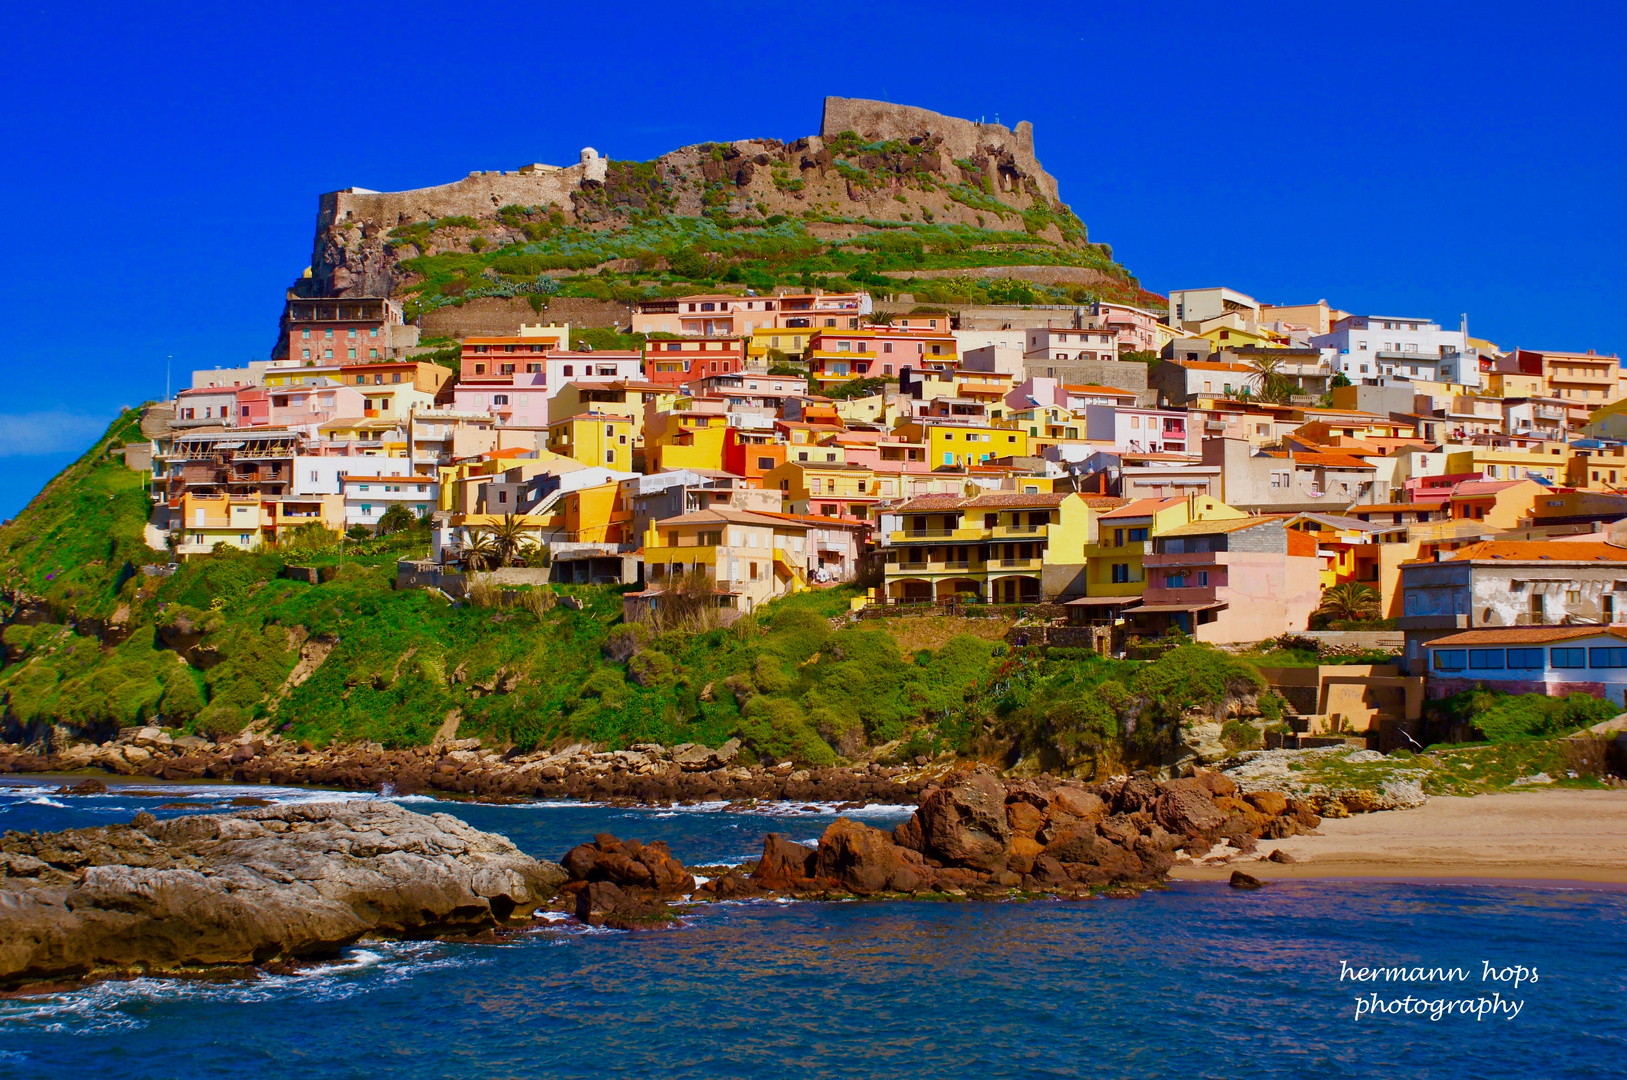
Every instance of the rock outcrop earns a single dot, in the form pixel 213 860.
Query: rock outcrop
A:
pixel 976 835
pixel 623 883
pixel 252 887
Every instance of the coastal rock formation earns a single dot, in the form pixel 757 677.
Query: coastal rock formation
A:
pixel 251 887
pixel 623 882
pixel 977 835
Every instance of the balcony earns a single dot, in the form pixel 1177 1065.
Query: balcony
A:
pixel 1016 564
pixel 904 536
pixel 1000 532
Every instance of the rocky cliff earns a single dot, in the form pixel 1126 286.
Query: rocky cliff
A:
pixel 872 162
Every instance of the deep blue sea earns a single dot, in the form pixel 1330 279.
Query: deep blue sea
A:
pixel 1196 981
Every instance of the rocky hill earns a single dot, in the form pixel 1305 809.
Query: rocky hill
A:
pixel 882 194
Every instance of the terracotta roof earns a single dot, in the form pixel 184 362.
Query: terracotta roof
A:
pixel 1097 388
pixel 1362 508
pixel 1016 498
pixel 1539 551
pixel 1472 488
pixel 1332 461
pixel 1224 525
pixel 1142 508
pixel 1521 635
pixel 1205 365
pixel 931 503
pixel 723 515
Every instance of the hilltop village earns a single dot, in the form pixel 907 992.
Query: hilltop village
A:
pixel 848 451
pixel 1226 469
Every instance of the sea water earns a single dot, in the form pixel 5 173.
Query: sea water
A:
pixel 1198 980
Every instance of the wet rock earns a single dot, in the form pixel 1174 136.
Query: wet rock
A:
pixel 1240 880
pixel 965 824
pixel 253 886
pixel 785 866
pixel 1281 856
pixel 1187 807
pixel 84 787
pixel 864 860
pixel 629 865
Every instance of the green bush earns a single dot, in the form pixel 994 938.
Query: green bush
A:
pixel 1504 717
pixel 1237 735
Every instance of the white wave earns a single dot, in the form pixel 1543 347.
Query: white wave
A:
pixel 117 1005
pixel 43 800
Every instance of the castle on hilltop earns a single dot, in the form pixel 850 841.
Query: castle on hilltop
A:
pixel 351 258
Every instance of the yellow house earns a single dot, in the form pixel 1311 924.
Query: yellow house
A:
pixel 1514 384
pixel 1003 547
pixel 207 520
pixel 305 375
pixel 871 409
pixel 964 444
pixel 1236 337
pixel 594 439
pixel 625 398
pixel 459 483
pixel 1549 461
pixel 1354 550
pixel 828 489
pixel 792 342
pixel 597 515
pixel 681 439
pixel 1123 535
pixel 1497 504
pixel 751 558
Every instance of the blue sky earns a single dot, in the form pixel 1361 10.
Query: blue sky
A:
pixel 163 161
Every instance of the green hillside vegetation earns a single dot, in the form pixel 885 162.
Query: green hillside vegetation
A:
pixel 92 642
pixel 672 256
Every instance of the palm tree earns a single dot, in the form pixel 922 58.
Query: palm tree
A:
pixel 480 550
pixel 1349 601
pixel 1267 371
pixel 510 538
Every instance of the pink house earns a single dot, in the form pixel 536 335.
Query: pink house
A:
pixel 253 408
pixel 1136 327
pixel 518 400
pixel 311 404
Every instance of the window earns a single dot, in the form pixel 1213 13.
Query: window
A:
pixel 1449 659
pixel 1607 658
pixel 1203 577
pixel 1525 658
pixel 1566 658
pixel 1486 659
pixel 1175 580
pixel 243 538
pixel 1136 535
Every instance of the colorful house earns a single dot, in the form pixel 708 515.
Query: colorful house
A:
pixel 594 438
pixel 1123 535
pixel 680 438
pixel 1003 547
pixel 751 558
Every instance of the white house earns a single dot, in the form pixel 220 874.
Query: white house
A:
pixel 1552 660
pixel 1371 346
pixel 367 497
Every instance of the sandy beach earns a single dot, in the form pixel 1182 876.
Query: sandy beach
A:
pixel 1528 836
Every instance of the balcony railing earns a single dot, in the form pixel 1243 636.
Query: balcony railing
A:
pixel 1018 530
pixel 906 535
pixel 1017 564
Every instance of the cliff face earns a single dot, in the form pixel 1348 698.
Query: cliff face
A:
pixel 871 160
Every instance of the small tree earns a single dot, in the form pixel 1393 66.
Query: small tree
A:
pixel 396 518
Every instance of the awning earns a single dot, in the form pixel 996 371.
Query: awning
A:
pixel 1102 601
pixel 1152 608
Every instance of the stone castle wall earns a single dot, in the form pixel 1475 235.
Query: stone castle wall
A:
pixel 877 120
